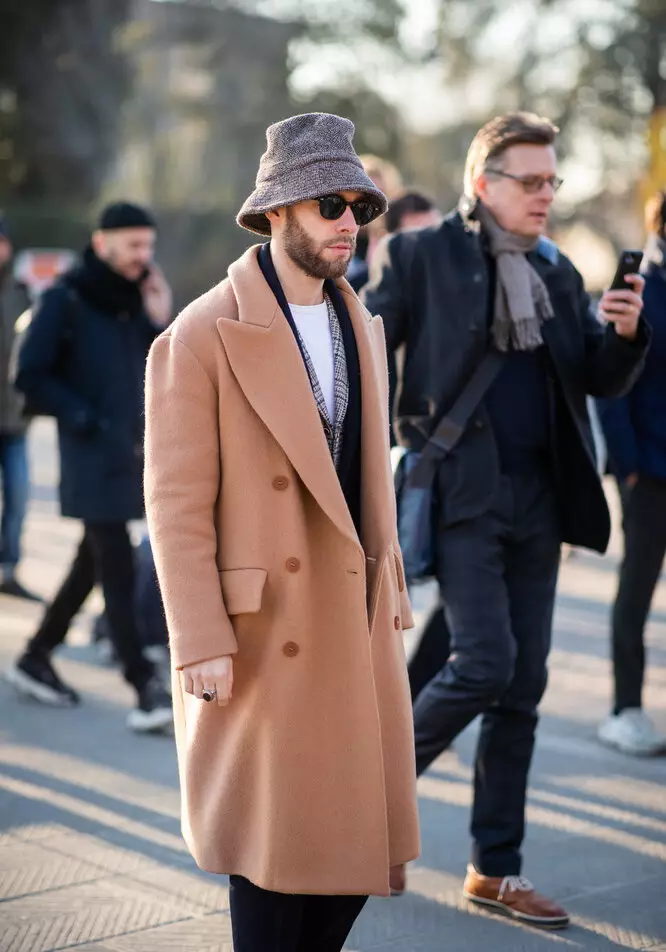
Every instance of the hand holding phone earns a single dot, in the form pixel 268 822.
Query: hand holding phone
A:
pixel 622 304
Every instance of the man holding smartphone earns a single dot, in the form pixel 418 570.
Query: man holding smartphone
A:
pixel 82 360
pixel 522 478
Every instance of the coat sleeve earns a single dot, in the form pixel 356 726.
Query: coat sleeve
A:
pixel 612 363
pixel 385 294
pixel 182 483
pixel 620 436
pixel 38 359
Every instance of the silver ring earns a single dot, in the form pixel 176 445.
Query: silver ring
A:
pixel 209 695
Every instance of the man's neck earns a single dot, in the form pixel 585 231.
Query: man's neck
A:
pixel 299 288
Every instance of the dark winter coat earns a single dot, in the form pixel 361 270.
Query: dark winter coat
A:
pixel 635 426
pixel 83 361
pixel 13 301
pixel 433 294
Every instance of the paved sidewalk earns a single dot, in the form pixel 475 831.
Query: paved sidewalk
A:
pixel 90 852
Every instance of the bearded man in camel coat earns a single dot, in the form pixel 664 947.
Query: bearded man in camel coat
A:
pixel 271 509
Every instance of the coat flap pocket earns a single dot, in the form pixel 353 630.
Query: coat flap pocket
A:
pixel 242 590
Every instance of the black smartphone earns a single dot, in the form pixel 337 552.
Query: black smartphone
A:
pixel 629 262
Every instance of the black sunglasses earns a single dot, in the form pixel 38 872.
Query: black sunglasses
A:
pixel 332 207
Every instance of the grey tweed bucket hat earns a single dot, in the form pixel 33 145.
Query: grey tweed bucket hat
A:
pixel 307 156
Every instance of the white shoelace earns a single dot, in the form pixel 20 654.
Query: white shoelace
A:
pixel 514 884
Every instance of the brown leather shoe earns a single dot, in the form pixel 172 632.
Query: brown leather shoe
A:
pixel 514 896
pixel 398 879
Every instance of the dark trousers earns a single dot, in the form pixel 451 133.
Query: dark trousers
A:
pixel 264 921
pixel 431 654
pixel 497 575
pixel 15 492
pixel 644 549
pixel 105 555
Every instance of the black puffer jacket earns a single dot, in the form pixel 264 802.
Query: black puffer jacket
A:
pixel 432 290
pixel 83 361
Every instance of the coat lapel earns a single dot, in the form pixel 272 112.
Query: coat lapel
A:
pixel 267 363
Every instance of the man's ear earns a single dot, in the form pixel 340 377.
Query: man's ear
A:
pixel 481 186
pixel 98 243
pixel 274 215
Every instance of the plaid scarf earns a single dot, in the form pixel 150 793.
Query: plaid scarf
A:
pixel 333 428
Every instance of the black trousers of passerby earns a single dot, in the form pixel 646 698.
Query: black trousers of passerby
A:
pixel 105 555
pixel 644 509
pixel 498 576
pixel 262 920
pixel 432 652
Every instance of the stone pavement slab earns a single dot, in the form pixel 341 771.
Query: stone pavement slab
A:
pixel 91 856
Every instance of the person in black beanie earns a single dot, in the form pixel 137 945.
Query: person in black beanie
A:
pixel 82 361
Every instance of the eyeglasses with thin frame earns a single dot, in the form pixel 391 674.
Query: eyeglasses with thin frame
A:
pixel 532 184
pixel 333 207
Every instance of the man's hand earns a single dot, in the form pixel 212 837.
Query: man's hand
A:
pixel 623 308
pixel 214 675
pixel 157 299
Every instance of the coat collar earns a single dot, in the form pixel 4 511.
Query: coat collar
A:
pixel 264 358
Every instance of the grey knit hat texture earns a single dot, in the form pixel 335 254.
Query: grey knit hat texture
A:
pixel 307 156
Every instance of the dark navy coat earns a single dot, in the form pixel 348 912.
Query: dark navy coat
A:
pixel 635 426
pixel 82 361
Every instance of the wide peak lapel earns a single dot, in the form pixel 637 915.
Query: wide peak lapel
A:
pixel 377 519
pixel 268 366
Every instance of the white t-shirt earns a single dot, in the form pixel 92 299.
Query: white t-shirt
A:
pixel 314 328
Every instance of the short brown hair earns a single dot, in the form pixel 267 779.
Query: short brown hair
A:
pixel 655 214
pixel 498 135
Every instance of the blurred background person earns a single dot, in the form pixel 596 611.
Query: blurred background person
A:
pixel 635 431
pixel 83 361
pixel 13 428
pixel 410 210
pixel 388 180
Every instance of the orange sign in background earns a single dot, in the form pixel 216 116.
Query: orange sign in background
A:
pixel 38 268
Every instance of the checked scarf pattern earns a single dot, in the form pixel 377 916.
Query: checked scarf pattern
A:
pixel 333 429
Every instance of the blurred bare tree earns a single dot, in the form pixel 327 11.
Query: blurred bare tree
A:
pixel 62 85
pixel 598 69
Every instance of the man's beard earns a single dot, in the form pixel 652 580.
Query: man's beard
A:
pixel 303 252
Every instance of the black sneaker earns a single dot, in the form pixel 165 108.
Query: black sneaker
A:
pixel 153 712
pixel 12 586
pixel 33 675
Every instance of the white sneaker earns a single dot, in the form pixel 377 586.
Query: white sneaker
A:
pixel 632 732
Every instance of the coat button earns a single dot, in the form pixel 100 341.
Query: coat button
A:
pixel 293 565
pixel 290 649
pixel 396 623
pixel 280 482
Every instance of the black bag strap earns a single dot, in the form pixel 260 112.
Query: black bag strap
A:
pixel 452 425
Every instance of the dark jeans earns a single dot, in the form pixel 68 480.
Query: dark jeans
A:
pixel 15 492
pixel 105 555
pixel 264 921
pixel 497 575
pixel 644 549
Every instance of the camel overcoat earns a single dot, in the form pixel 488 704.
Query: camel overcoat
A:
pixel 305 782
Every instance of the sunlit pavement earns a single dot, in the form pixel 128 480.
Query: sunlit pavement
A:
pixel 90 852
